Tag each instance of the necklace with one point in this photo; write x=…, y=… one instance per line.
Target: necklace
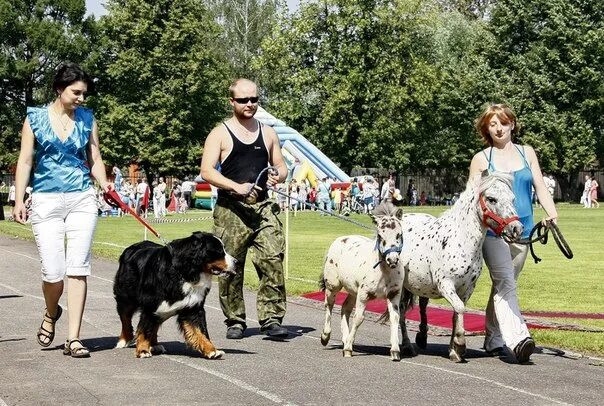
x=64, y=124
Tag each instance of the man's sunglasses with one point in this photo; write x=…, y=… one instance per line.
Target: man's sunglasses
x=245, y=100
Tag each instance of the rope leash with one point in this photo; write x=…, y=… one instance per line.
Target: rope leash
x=542, y=237
x=114, y=200
x=182, y=220
x=305, y=203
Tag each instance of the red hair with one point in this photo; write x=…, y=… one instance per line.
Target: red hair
x=503, y=112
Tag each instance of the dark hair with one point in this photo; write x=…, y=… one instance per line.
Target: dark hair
x=69, y=73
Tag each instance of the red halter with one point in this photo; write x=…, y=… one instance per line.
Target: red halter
x=489, y=215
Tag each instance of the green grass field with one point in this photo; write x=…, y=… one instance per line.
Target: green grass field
x=555, y=284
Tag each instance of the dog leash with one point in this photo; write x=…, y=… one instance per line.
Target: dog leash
x=114, y=200
x=542, y=237
x=306, y=204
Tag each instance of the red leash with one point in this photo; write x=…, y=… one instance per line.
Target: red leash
x=114, y=200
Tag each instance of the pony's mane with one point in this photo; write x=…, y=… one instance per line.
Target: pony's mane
x=479, y=184
x=385, y=209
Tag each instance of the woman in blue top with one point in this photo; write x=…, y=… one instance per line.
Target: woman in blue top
x=60, y=143
x=505, y=325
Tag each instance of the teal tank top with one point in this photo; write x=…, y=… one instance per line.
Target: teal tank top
x=60, y=167
x=522, y=187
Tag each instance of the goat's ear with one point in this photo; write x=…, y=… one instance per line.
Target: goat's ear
x=399, y=213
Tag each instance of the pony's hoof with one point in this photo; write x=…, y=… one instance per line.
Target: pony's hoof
x=324, y=339
x=395, y=356
x=455, y=357
x=421, y=339
x=408, y=350
x=347, y=353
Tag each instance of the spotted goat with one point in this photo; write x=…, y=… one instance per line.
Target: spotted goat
x=443, y=256
x=366, y=269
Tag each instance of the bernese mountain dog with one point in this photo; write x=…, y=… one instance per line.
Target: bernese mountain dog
x=165, y=281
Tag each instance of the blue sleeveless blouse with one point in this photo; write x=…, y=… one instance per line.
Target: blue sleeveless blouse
x=60, y=166
x=522, y=186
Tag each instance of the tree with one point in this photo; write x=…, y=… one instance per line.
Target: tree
x=165, y=83
x=35, y=37
x=377, y=83
x=550, y=58
x=245, y=23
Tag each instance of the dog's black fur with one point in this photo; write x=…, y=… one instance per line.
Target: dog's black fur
x=163, y=281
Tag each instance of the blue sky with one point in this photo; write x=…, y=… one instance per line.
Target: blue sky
x=96, y=6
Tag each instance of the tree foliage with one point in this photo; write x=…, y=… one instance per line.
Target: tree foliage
x=551, y=61
x=164, y=85
x=379, y=83
x=398, y=84
x=244, y=24
x=35, y=37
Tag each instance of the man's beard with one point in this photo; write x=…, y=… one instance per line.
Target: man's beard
x=243, y=115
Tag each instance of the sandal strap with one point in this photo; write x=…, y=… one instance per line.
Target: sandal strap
x=57, y=316
x=79, y=350
x=43, y=332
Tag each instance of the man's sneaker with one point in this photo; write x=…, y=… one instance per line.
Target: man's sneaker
x=234, y=332
x=524, y=349
x=275, y=330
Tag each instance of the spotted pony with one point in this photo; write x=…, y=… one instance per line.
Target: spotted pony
x=366, y=269
x=443, y=256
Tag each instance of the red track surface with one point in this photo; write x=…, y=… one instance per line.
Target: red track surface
x=473, y=322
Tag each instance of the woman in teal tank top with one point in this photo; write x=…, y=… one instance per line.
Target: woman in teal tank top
x=505, y=326
x=59, y=152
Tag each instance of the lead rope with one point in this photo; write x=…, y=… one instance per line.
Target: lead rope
x=542, y=237
x=306, y=204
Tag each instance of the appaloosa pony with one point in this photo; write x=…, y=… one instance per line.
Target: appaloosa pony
x=366, y=269
x=443, y=256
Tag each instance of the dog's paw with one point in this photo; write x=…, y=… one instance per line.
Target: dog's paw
x=143, y=354
x=122, y=343
x=215, y=354
x=158, y=350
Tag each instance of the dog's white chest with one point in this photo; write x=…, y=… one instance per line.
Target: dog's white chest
x=194, y=295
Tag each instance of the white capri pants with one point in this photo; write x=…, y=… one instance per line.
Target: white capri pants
x=56, y=216
x=504, y=322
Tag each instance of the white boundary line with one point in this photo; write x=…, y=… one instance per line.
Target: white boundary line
x=501, y=385
x=235, y=381
x=275, y=398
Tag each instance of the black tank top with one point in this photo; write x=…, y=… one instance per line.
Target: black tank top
x=246, y=161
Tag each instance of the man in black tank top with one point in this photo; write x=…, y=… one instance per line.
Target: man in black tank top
x=243, y=217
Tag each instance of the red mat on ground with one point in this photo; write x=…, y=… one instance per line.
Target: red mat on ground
x=437, y=316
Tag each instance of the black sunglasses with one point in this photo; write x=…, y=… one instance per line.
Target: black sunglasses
x=245, y=100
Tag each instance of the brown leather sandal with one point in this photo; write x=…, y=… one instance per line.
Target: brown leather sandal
x=78, y=352
x=45, y=334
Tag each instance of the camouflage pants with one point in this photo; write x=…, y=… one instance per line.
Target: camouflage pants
x=256, y=226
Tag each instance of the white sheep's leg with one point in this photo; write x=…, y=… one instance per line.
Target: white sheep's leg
x=359, y=316
x=393, y=310
x=330, y=298
x=346, y=312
